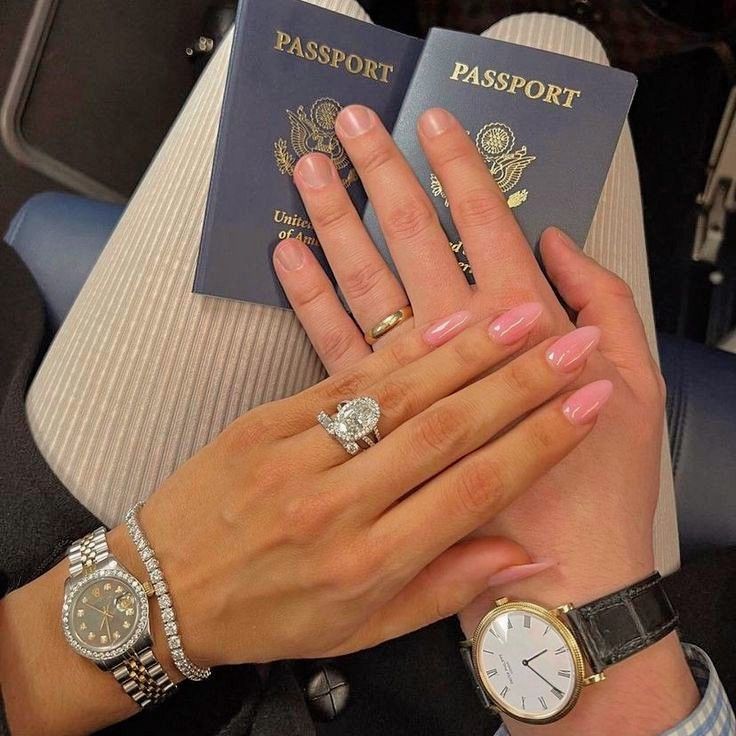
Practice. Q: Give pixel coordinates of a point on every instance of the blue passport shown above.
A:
(546, 125)
(293, 67)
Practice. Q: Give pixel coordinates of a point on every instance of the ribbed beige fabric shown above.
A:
(143, 373)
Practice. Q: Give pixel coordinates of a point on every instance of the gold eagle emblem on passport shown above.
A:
(314, 132)
(495, 142)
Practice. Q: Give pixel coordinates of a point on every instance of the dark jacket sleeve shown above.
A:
(4, 730)
(38, 516)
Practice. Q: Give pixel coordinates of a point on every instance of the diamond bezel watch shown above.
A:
(96, 577)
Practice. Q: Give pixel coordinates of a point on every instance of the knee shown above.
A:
(550, 33)
(351, 8)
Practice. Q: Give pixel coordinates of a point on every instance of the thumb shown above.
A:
(599, 297)
(447, 585)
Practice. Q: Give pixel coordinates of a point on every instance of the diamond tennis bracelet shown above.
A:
(185, 665)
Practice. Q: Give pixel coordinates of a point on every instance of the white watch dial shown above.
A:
(526, 665)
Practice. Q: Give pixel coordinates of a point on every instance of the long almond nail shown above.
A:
(585, 404)
(519, 572)
(440, 332)
(572, 349)
(511, 326)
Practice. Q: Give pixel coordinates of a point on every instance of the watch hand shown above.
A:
(105, 616)
(542, 677)
(535, 656)
(107, 623)
(94, 608)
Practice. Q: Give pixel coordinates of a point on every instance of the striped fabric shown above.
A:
(143, 373)
(713, 716)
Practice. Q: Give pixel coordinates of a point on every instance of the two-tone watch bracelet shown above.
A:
(185, 665)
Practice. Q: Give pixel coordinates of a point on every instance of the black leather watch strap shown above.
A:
(616, 626)
(466, 652)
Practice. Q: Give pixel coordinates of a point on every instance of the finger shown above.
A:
(493, 241)
(334, 335)
(600, 297)
(418, 244)
(462, 422)
(474, 490)
(447, 585)
(299, 413)
(410, 390)
(370, 288)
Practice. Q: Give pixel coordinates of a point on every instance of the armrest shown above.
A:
(59, 237)
(701, 411)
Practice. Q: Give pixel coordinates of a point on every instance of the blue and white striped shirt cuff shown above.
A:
(714, 715)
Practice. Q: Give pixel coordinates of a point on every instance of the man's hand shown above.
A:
(593, 514)
(601, 501)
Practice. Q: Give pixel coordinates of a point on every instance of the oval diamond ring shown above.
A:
(355, 425)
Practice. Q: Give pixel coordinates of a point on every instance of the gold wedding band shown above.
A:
(387, 324)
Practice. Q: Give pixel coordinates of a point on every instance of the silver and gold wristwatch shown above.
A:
(105, 617)
(531, 663)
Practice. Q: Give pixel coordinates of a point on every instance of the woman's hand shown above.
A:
(277, 544)
(601, 499)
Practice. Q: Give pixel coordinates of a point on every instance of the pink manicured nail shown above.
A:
(440, 332)
(511, 326)
(315, 170)
(572, 349)
(585, 404)
(519, 572)
(290, 255)
(436, 121)
(355, 120)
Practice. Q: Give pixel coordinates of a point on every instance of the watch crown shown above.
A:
(562, 609)
(593, 679)
(501, 601)
(148, 588)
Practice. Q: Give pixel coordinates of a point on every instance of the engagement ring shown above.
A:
(355, 426)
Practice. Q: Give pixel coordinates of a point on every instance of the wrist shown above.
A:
(647, 694)
(47, 687)
(122, 547)
(576, 581)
